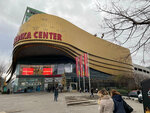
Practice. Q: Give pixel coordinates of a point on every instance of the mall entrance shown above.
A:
(51, 83)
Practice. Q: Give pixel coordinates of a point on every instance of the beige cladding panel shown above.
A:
(77, 38)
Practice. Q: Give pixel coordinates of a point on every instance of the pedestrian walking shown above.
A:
(96, 90)
(80, 90)
(120, 106)
(8, 91)
(106, 104)
(55, 94)
(92, 91)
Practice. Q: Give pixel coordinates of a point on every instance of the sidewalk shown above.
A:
(43, 102)
(32, 103)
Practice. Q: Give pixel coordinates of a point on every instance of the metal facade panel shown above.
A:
(104, 56)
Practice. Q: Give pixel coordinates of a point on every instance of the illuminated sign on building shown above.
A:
(37, 70)
(39, 35)
(47, 71)
(27, 71)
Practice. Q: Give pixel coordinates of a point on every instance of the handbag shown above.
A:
(127, 107)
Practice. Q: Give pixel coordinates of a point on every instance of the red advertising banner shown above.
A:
(86, 64)
(27, 71)
(47, 71)
(77, 66)
(81, 66)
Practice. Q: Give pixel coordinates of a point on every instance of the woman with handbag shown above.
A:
(120, 106)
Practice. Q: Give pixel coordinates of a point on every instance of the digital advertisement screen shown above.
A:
(37, 70)
(47, 71)
(27, 71)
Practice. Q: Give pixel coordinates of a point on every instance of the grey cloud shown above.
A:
(7, 34)
(77, 12)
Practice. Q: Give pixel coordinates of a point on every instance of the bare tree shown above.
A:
(138, 78)
(123, 81)
(2, 68)
(127, 21)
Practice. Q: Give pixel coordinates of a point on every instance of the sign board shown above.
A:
(38, 35)
(58, 79)
(47, 80)
(60, 69)
(146, 95)
(68, 68)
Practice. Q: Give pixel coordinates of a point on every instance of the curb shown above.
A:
(130, 98)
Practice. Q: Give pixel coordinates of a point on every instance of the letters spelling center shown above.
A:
(39, 35)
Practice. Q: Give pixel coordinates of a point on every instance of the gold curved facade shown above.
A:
(55, 32)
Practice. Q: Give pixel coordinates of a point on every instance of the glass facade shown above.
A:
(30, 84)
(52, 69)
(44, 74)
(38, 77)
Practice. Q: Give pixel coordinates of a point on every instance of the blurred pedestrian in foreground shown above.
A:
(120, 106)
(106, 104)
(55, 94)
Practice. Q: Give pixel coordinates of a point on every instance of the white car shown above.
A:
(140, 98)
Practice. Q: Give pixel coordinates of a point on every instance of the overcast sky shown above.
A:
(81, 13)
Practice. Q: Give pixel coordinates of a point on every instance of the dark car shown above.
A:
(133, 93)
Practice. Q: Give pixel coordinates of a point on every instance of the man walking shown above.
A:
(55, 94)
(92, 91)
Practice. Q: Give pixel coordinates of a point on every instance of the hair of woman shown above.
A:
(114, 92)
(103, 92)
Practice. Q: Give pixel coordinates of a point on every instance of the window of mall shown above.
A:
(33, 78)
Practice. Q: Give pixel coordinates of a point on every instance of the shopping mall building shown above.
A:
(45, 49)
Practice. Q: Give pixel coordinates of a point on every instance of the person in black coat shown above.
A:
(92, 91)
(120, 106)
(55, 94)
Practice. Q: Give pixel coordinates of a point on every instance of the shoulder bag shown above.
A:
(127, 107)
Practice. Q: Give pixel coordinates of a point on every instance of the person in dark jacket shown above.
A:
(55, 94)
(118, 101)
(92, 91)
(120, 106)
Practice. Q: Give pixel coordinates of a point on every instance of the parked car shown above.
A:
(140, 98)
(133, 93)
